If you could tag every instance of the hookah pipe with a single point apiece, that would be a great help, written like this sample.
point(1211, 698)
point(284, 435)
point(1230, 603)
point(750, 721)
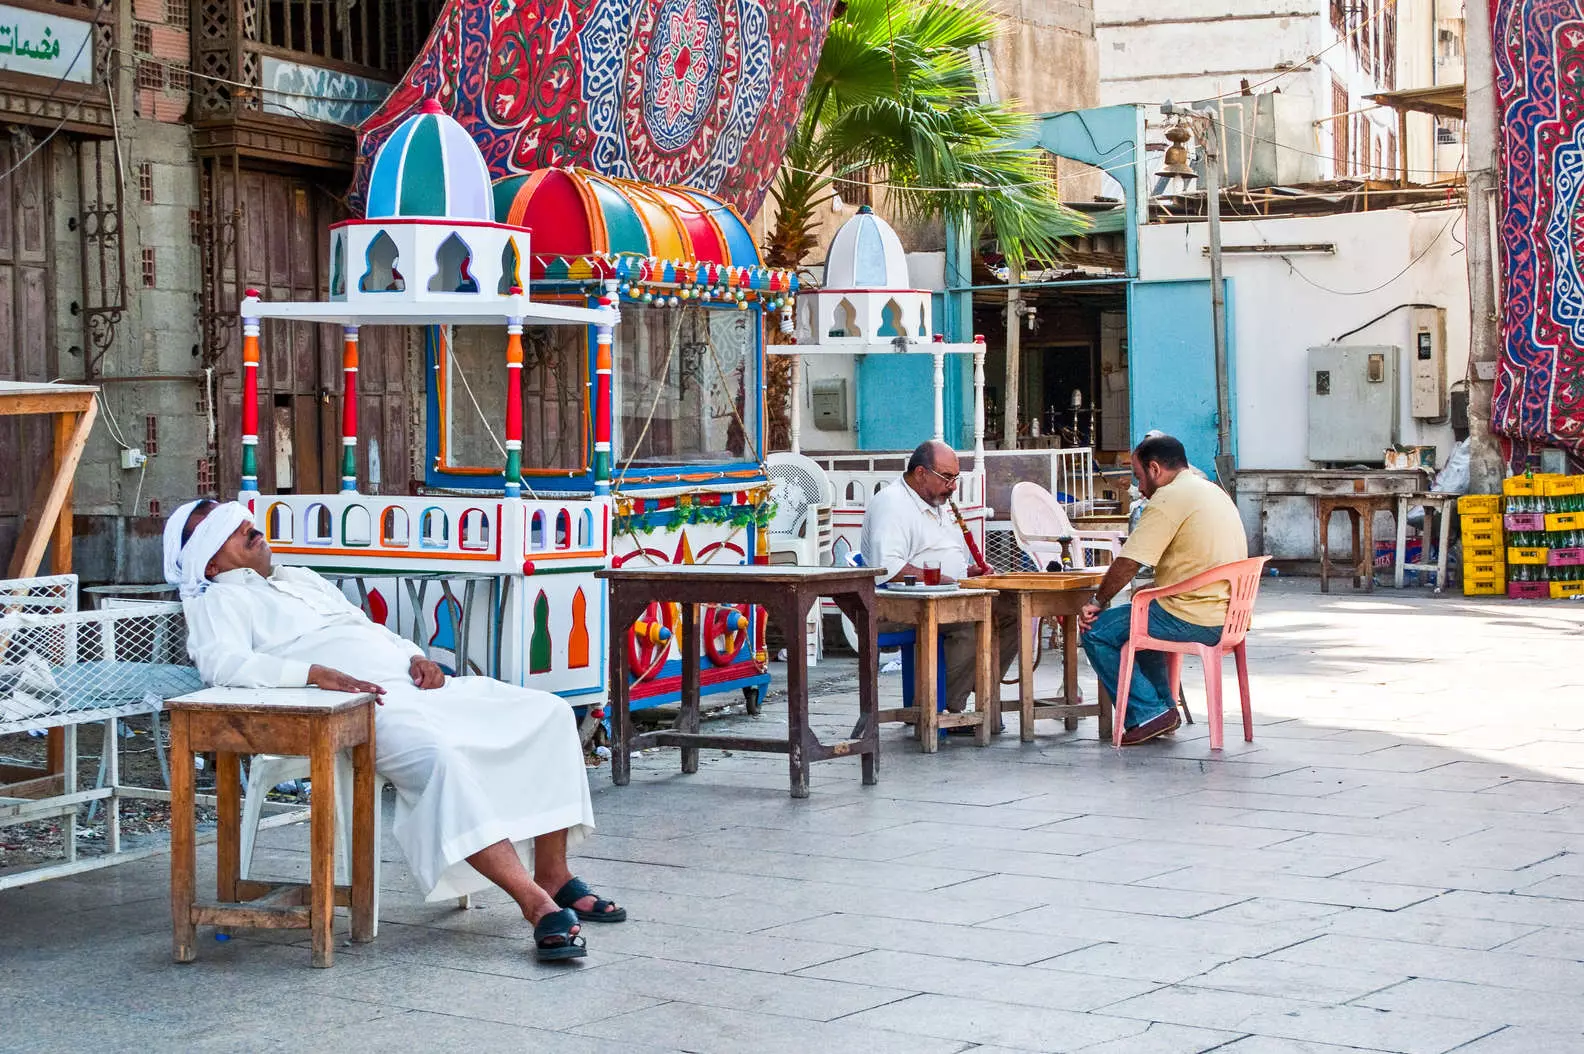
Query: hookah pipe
point(980, 566)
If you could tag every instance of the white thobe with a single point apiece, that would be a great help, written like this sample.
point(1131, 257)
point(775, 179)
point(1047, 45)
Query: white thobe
point(899, 527)
point(474, 762)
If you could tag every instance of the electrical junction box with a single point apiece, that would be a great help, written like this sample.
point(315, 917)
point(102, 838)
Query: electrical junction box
point(829, 403)
point(1427, 385)
point(1353, 403)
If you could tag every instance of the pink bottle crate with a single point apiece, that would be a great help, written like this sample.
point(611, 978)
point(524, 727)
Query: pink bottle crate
point(1565, 557)
point(1525, 521)
point(1528, 590)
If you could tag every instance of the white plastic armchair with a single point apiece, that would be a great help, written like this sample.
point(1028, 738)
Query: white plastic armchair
point(800, 531)
point(1039, 522)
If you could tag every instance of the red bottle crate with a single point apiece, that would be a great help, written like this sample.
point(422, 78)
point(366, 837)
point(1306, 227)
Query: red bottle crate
point(1525, 521)
point(1565, 557)
point(1528, 590)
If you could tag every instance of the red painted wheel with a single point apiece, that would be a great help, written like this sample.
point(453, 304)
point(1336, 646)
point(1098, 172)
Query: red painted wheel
point(727, 633)
point(649, 640)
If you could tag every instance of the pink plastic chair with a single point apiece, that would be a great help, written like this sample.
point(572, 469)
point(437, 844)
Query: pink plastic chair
point(1243, 576)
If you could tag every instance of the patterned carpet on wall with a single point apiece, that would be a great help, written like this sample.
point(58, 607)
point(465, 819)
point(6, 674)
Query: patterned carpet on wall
point(696, 92)
point(1539, 52)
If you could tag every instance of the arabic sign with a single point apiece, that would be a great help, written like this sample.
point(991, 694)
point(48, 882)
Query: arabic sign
point(45, 45)
point(294, 90)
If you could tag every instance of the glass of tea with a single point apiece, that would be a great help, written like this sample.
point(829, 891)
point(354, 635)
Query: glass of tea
point(931, 569)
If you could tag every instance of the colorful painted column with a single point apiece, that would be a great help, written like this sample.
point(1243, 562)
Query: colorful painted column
point(514, 414)
point(349, 432)
point(604, 413)
point(250, 428)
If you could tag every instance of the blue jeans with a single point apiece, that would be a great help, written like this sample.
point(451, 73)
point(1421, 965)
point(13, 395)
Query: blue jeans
point(1149, 695)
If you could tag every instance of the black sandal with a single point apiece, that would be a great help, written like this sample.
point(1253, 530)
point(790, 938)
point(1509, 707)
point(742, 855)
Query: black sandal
point(575, 890)
point(554, 939)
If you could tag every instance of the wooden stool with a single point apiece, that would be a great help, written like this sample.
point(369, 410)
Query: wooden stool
point(926, 613)
point(301, 721)
point(1438, 508)
point(1361, 510)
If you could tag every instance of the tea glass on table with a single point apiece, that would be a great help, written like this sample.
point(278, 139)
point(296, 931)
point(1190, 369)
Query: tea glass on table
point(932, 572)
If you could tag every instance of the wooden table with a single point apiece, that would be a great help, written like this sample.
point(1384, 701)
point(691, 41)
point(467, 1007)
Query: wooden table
point(786, 593)
point(926, 613)
point(298, 721)
point(1058, 595)
point(1360, 510)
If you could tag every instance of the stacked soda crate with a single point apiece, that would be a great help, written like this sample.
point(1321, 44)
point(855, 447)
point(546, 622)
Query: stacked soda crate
point(1484, 555)
point(1544, 520)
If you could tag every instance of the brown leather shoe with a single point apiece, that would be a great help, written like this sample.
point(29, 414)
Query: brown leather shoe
point(1164, 725)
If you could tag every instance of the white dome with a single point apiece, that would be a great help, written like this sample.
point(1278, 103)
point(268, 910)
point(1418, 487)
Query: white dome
point(866, 254)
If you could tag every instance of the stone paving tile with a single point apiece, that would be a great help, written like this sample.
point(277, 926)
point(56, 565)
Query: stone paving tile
point(1345, 892)
point(1230, 939)
point(976, 1021)
point(1424, 928)
point(1552, 943)
point(1133, 830)
point(1185, 1004)
point(1296, 981)
point(403, 1030)
point(1088, 868)
point(1494, 968)
point(1277, 860)
point(863, 932)
point(1136, 961)
point(712, 1030)
point(990, 982)
point(1520, 1040)
point(1471, 1002)
point(808, 998)
point(1272, 1045)
point(1136, 899)
point(700, 944)
point(1371, 1029)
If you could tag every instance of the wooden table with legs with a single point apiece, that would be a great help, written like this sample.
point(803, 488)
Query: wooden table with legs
point(926, 612)
point(786, 593)
point(299, 721)
point(1058, 595)
point(1360, 510)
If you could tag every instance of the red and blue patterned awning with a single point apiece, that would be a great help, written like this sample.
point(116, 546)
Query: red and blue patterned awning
point(698, 93)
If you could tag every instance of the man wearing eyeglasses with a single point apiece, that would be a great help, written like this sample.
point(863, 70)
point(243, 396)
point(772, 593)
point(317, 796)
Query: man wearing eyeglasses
point(909, 525)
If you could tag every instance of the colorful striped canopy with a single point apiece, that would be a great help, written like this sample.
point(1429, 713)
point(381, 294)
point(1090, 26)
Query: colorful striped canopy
point(430, 168)
point(577, 214)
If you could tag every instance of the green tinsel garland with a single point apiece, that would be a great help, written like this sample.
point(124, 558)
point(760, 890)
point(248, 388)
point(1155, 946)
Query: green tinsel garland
point(674, 519)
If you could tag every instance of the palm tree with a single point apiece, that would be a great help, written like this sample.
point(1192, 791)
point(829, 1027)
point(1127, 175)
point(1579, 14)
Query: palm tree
point(895, 91)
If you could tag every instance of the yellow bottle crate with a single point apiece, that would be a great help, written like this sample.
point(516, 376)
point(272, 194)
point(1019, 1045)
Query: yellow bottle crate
point(1564, 521)
point(1489, 556)
point(1527, 485)
point(1482, 539)
point(1480, 587)
point(1481, 522)
point(1527, 556)
point(1484, 570)
point(1479, 505)
point(1560, 590)
point(1558, 486)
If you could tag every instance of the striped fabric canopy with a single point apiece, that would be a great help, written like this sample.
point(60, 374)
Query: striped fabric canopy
point(576, 214)
point(430, 168)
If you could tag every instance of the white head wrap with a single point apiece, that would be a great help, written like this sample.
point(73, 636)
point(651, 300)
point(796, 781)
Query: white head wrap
point(185, 564)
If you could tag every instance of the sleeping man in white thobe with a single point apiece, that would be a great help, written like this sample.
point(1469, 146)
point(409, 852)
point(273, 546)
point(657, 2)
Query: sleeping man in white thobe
point(482, 769)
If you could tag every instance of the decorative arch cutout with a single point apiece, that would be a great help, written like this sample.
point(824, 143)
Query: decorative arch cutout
point(844, 323)
point(278, 523)
point(395, 528)
point(563, 532)
point(539, 650)
point(318, 525)
point(536, 531)
point(855, 492)
point(474, 532)
point(578, 640)
point(892, 324)
point(453, 267)
point(338, 265)
point(511, 269)
point(380, 274)
point(585, 529)
point(357, 526)
point(434, 529)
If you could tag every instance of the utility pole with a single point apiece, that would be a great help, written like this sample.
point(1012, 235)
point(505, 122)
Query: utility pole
point(1226, 458)
point(1486, 467)
point(1014, 348)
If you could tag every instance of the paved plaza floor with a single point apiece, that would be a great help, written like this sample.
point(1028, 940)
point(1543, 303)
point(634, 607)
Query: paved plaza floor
point(1396, 863)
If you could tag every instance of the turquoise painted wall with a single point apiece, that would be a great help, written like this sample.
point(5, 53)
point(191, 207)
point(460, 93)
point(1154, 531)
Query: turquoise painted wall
point(1171, 365)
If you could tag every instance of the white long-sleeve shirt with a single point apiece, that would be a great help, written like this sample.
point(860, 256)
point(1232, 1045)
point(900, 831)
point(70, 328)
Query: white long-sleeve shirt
point(899, 527)
point(247, 631)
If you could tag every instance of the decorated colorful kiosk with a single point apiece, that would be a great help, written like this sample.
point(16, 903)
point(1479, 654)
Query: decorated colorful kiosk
point(615, 415)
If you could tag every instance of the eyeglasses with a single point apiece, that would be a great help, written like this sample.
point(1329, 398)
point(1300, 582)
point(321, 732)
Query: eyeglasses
point(950, 480)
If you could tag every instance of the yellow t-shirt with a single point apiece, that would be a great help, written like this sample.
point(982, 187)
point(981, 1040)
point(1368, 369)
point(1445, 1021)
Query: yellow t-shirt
point(1189, 526)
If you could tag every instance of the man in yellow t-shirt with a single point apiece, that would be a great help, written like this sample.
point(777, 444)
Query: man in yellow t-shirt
point(1189, 526)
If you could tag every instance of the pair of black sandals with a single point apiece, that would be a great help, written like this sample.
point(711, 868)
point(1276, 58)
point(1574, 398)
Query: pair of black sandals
point(553, 937)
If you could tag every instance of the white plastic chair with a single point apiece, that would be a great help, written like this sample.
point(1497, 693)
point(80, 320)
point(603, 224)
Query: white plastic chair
point(1039, 522)
point(801, 530)
point(267, 770)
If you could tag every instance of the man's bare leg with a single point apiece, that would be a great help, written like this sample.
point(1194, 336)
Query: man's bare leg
point(551, 870)
point(499, 864)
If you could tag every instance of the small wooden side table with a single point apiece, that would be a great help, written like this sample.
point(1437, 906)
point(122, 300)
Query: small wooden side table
point(1360, 510)
point(1060, 595)
point(298, 721)
point(926, 613)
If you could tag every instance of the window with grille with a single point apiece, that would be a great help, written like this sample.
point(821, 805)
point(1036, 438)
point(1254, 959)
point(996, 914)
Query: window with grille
point(1391, 157)
point(1388, 74)
point(150, 434)
point(854, 188)
point(1339, 15)
point(381, 34)
point(1363, 39)
point(150, 74)
point(142, 37)
point(178, 14)
point(180, 78)
point(145, 178)
point(150, 276)
point(1339, 129)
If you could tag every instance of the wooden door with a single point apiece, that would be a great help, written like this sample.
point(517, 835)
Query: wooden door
point(27, 258)
point(284, 245)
